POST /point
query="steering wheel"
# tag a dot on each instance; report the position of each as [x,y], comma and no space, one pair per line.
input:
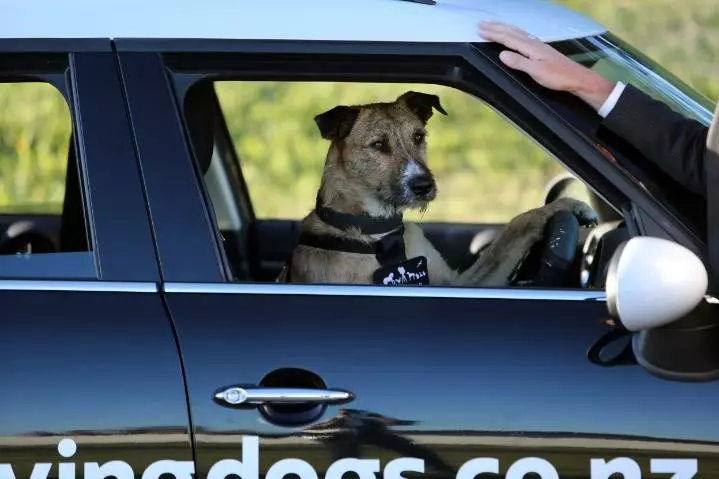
[551,261]
[22,233]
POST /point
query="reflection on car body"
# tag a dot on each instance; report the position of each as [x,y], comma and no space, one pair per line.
[176,146]
[345,434]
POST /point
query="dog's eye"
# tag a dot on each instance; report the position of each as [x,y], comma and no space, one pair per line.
[380,145]
[418,138]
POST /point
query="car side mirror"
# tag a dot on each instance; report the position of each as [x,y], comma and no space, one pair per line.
[652,282]
[656,290]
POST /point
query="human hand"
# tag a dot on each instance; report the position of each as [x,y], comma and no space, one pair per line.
[546,65]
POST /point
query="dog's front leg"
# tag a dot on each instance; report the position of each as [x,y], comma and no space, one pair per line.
[497,263]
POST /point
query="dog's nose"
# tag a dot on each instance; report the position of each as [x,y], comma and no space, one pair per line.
[421,185]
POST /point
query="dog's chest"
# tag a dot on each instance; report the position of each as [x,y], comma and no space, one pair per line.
[337,267]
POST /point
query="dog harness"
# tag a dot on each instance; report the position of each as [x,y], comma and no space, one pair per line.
[389,250]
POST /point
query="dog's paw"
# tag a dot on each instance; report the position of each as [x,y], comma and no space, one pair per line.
[585,214]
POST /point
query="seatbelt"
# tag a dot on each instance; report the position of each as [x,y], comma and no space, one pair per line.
[711,167]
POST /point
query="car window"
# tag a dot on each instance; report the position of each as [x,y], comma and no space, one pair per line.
[487,170]
[35,130]
[42,216]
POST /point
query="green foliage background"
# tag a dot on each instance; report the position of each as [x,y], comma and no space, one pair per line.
[486,170]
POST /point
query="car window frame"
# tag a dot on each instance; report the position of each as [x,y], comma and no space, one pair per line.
[226,158]
[120,243]
[187,61]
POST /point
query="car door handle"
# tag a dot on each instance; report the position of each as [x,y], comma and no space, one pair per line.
[258,396]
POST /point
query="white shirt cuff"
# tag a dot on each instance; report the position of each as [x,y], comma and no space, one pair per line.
[611,100]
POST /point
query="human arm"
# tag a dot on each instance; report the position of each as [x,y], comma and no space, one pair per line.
[546,65]
[674,143]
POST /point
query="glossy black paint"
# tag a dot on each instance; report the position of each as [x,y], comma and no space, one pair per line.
[180,218]
[117,209]
[95,361]
[483,378]
[52,45]
[100,368]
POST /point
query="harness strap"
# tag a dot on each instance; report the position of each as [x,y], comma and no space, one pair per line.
[389,249]
[335,243]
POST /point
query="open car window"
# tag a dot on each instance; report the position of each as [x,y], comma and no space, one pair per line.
[488,170]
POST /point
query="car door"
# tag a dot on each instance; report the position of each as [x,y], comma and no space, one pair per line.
[90,372]
[306,379]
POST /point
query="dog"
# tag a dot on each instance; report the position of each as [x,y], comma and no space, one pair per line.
[375,169]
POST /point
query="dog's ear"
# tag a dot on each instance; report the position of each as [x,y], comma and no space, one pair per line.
[335,124]
[422,104]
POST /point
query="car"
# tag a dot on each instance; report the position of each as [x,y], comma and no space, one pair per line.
[144,333]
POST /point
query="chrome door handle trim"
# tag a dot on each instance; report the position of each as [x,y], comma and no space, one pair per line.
[258,396]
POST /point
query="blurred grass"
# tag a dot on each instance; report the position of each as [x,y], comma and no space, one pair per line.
[486,170]
[34,134]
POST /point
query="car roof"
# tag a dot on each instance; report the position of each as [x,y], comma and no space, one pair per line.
[339,20]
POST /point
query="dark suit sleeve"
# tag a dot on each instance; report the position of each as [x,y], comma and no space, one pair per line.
[673,142]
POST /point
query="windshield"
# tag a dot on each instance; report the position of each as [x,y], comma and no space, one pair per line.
[617,61]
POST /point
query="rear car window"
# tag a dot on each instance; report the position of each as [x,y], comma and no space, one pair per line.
[35,130]
[43,231]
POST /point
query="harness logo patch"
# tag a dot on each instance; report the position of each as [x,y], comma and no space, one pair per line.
[412,271]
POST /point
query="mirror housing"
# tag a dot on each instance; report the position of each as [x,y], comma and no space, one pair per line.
[652,282]
[656,289]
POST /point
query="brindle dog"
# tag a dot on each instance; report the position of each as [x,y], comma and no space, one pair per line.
[376,167]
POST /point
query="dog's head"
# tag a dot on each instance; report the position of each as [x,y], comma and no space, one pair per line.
[379,151]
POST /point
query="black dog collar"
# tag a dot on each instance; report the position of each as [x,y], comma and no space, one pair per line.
[388,249]
[366,224]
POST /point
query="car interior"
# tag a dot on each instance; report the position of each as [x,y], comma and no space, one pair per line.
[38,245]
[258,248]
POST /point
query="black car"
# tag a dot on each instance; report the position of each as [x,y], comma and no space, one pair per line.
[144,333]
